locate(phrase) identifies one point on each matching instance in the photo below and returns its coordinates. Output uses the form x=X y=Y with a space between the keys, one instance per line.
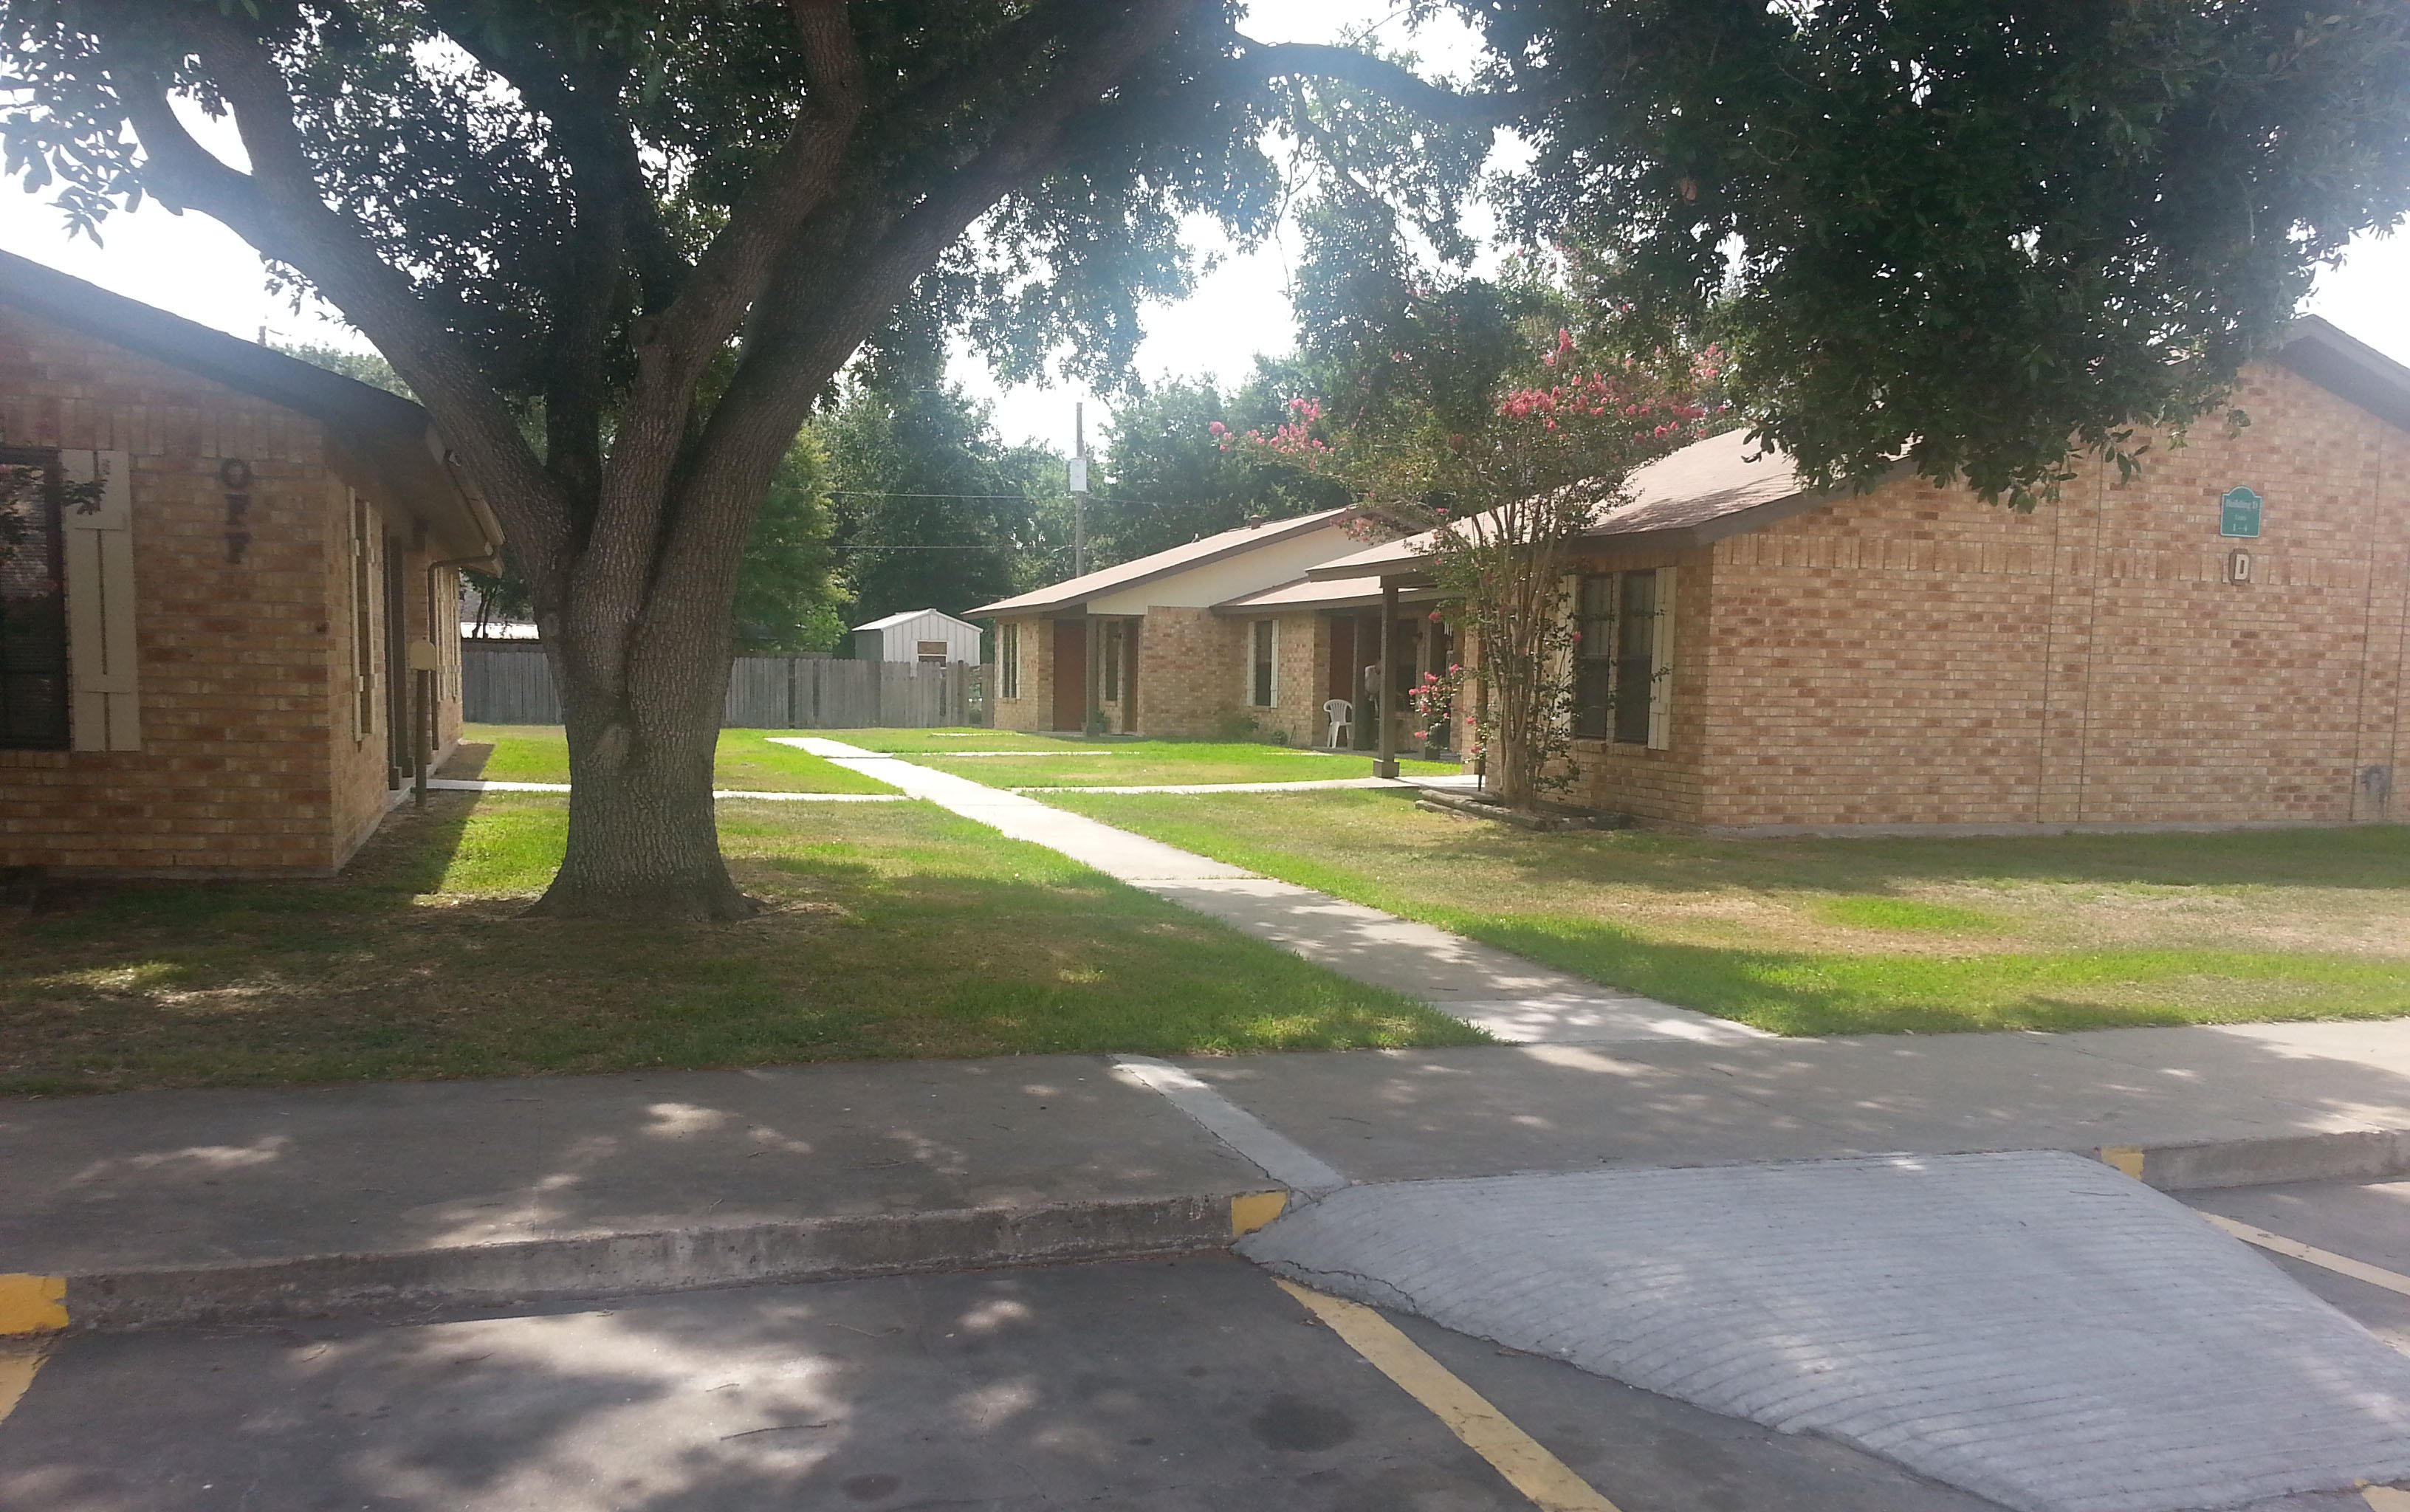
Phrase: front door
x=1070 y=673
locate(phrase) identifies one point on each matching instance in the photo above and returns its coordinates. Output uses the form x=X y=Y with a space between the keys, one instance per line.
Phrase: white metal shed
x=927 y=636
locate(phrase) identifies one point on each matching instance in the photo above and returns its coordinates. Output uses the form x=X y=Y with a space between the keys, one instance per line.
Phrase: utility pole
x=1078 y=490
x=1093 y=645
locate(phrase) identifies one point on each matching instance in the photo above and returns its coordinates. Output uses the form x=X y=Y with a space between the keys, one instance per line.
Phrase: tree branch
x=1401 y=87
x=798 y=341
x=678 y=343
x=277 y=209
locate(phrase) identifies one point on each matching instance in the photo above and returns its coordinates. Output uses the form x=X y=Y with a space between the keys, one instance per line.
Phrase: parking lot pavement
x=1164 y=1385
x=2368 y=1222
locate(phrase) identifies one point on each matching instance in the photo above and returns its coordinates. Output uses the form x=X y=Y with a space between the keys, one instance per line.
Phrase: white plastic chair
x=1341 y=715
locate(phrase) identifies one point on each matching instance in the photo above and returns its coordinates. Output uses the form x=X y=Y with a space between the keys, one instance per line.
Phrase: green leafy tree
x=788 y=596
x=934 y=510
x=1975 y=227
x=1167 y=477
x=364 y=367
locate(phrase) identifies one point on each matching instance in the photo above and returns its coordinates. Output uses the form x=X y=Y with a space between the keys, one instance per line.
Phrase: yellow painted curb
x=2125 y=1158
x=1545 y=1481
x=33 y=1304
x=2386 y=1499
x=1255 y=1210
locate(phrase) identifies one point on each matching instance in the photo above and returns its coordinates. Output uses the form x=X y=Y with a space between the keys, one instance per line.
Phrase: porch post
x=1387 y=765
x=1092 y=723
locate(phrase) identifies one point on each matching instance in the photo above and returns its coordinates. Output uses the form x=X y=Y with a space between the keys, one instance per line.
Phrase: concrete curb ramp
x=665 y=1260
x=2034 y=1327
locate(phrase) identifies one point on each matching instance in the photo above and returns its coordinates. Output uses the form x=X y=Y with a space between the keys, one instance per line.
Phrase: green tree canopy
x=934 y=510
x=1167 y=477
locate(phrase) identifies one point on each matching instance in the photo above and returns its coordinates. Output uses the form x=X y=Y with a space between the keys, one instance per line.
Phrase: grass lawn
x=1136 y=763
x=748 y=763
x=961 y=737
x=895 y=930
x=1844 y=937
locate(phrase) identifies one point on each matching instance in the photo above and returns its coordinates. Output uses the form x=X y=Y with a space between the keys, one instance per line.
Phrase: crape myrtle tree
x=652 y=233
x=1462 y=407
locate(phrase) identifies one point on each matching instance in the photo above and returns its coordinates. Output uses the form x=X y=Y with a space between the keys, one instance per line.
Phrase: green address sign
x=2238 y=513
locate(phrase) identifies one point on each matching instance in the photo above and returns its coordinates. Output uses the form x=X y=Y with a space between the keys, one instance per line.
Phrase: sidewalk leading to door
x=1517 y=1001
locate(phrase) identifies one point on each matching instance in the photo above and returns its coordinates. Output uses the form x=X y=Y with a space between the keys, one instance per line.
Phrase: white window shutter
x=1660 y=671
x=101 y=655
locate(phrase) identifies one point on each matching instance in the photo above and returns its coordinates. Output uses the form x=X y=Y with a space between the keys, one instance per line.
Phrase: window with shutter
x=1264 y=639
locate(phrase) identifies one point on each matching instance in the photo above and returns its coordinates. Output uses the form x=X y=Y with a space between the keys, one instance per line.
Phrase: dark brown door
x=1341 y=681
x=1070 y=673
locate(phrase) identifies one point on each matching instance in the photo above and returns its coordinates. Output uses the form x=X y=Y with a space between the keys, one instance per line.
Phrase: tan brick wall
x=247 y=765
x=1035 y=708
x=1191 y=679
x=1912 y=656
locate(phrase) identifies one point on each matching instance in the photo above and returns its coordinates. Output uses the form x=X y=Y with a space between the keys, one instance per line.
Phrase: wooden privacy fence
x=513 y=684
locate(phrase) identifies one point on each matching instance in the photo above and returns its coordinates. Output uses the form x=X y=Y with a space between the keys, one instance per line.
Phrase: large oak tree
x=647 y=236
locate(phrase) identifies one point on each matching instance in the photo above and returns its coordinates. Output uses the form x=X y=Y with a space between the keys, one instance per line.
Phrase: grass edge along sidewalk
x=1905 y=936
x=893 y=930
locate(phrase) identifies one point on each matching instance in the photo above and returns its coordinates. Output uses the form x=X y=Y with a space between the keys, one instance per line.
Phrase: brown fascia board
x=1263 y=535
x=2348 y=367
x=385 y=430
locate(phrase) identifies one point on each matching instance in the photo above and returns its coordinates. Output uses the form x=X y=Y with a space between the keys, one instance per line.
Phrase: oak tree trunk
x=643 y=731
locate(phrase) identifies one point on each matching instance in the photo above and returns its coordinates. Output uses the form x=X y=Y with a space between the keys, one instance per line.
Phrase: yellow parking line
x=18 y=1363
x=1528 y=1466
x=2386 y=1499
x=2309 y=1254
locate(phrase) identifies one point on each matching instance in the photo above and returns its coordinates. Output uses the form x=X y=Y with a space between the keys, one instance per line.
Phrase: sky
x=196 y=268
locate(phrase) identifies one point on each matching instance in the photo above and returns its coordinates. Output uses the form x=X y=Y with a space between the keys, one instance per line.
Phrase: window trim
x=1263 y=664
x=1007 y=660
x=1604 y=661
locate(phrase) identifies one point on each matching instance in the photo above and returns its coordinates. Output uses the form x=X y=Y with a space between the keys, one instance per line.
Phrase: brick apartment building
x=1195 y=641
x=226 y=659
x=2219 y=641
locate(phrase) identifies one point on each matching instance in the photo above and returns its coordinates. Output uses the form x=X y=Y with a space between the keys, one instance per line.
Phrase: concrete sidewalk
x=1516 y=1000
x=177 y=1206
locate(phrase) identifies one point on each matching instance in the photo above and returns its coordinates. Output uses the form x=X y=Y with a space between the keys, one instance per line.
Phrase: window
x=33 y=603
x=932 y=653
x=1007 y=660
x=1108 y=685
x=1263 y=640
x=1620 y=670
x=364 y=635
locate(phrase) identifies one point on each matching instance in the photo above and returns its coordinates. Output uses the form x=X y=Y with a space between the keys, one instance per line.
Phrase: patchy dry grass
x=894 y=930
x=1835 y=937
x=747 y=761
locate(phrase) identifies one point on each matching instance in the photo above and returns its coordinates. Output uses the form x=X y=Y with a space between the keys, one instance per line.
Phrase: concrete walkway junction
x=1944 y=1250
x=1517 y=1001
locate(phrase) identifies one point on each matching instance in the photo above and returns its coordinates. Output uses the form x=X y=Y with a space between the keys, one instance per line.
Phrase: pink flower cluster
x=1295 y=440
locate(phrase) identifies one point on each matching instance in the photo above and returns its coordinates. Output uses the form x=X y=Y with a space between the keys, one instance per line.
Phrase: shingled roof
x=1728 y=484
x=1180 y=558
